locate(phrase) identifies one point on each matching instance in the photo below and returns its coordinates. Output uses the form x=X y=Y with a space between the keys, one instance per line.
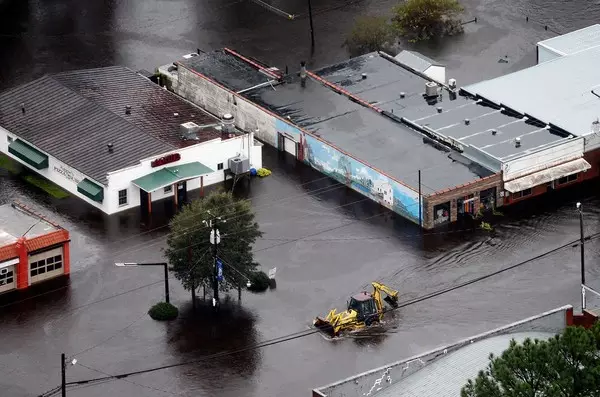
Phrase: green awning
x=28 y=154
x=170 y=175
x=91 y=190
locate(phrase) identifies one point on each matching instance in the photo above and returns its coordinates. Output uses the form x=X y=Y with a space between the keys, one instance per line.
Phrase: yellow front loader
x=363 y=310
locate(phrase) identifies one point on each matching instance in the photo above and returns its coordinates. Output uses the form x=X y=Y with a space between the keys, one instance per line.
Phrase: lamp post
x=582 y=244
x=165 y=265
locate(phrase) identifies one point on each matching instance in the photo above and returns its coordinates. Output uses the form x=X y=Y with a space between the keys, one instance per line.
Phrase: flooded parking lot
x=326 y=241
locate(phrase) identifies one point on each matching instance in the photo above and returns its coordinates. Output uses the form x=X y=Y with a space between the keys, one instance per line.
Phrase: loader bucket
x=324 y=327
x=391 y=301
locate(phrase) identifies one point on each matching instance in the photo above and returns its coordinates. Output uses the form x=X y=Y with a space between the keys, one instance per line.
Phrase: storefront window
x=441 y=213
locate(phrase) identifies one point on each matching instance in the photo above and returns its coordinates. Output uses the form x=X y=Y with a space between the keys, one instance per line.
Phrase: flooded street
x=326 y=241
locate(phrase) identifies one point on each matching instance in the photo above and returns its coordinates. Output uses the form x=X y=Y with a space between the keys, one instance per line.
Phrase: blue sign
x=219 y=270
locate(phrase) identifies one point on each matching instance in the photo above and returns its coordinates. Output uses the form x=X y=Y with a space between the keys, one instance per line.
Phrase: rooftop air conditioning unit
x=188 y=130
x=239 y=165
x=452 y=84
x=431 y=89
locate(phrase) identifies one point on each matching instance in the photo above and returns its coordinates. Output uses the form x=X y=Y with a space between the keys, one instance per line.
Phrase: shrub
x=370 y=33
x=419 y=20
x=163 y=311
x=259 y=281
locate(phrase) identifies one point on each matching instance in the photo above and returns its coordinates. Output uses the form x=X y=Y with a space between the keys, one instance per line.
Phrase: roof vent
x=110 y=147
x=127 y=109
x=228 y=123
x=452 y=83
x=364 y=76
x=402 y=94
x=23 y=108
x=439 y=109
x=596 y=126
x=467 y=121
x=494 y=132
x=431 y=89
x=517 y=142
x=188 y=131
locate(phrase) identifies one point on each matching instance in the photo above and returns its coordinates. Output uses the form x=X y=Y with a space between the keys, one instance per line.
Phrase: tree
x=190 y=238
x=419 y=20
x=567 y=365
x=370 y=33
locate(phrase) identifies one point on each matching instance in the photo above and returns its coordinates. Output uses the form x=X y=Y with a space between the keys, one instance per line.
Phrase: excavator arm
x=391 y=298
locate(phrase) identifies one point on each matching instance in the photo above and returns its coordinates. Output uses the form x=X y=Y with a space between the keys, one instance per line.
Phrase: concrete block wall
x=554 y=321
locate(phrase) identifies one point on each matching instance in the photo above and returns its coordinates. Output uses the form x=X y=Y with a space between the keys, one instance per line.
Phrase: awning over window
x=170 y=175
x=91 y=190
x=28 y=154
x=547 y=175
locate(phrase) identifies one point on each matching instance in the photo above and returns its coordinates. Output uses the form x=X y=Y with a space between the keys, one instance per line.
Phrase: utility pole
x=582 y=238
x=312 y=30
x=63 y=373
x=215 y=239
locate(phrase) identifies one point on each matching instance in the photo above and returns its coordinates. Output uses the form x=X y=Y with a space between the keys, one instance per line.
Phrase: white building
x=116 y=140
x=568 y=44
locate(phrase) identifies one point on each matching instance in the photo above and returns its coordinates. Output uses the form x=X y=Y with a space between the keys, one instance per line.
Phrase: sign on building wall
x=66 y=173
x=169 y=158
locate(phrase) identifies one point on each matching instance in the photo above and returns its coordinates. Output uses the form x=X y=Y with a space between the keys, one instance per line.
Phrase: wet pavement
x=327 y=242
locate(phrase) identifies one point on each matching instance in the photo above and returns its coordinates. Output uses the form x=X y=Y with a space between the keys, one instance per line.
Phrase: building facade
x=32 y=248
x=115 y=155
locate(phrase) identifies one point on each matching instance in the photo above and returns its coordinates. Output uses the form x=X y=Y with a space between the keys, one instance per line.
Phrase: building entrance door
x=144 y=202
x=181 y=193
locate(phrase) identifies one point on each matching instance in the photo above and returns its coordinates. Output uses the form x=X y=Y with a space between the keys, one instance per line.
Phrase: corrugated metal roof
x=415 y=60
x=574 y=42
x=558 y=91
x=74 y=115
x=446 y=376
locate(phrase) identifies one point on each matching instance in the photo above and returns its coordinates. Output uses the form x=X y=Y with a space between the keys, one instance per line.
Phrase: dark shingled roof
x=74 y=115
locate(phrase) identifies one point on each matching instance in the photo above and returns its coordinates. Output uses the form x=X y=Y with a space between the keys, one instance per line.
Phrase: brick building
x=32 y=248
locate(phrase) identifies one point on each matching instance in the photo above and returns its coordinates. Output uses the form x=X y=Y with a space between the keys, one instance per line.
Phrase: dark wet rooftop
x=386 y=80
x=226 y=69
x=369 y=136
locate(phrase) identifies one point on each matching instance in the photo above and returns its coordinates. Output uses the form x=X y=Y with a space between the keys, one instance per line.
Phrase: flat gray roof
x=386 y=81
x=446 y=376
x=377 y=140
x=15 y=222
x=564 y=91
x=573 y=42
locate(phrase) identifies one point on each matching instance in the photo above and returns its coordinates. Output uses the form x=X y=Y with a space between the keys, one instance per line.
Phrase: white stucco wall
x=209 y=153
x=58 y=172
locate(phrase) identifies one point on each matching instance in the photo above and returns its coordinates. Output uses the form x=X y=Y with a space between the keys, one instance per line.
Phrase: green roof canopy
x=28 y=154
x=170 y=175
x=91 y=190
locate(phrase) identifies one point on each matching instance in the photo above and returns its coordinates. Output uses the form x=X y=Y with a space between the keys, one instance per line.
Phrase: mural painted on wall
x=361 y=178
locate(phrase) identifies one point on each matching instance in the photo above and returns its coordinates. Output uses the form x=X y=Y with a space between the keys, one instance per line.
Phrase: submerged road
x=326 y=241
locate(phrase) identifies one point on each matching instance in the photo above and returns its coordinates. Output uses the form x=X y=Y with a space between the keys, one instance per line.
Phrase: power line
x=308 y=332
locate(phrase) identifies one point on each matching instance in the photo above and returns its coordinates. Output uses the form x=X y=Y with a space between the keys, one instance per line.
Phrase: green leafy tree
x=567 y=365
x=419 y=20
x=369 y=33
x=189 y=251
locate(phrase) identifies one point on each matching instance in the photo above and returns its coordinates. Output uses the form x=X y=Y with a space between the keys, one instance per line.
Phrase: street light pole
x=164 y=264
x=63 y=375
x=312 y=30
x=582 y=238
x=215 y=239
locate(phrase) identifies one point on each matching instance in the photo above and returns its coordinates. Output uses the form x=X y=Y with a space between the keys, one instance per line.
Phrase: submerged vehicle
x=364 y=309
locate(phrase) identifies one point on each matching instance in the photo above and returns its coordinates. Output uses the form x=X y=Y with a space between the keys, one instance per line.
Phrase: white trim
x=9 y=262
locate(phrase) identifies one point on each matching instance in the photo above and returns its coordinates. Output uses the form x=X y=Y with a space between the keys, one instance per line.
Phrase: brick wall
x=451 y=195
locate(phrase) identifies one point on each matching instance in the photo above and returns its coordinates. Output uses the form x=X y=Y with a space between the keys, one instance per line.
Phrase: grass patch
x=47 y=186
x=9 y=164
x=163 y=312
